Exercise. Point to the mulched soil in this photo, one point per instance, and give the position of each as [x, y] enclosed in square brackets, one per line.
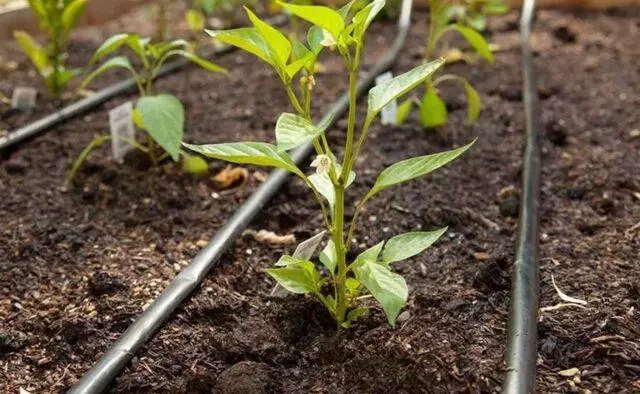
[79, 265]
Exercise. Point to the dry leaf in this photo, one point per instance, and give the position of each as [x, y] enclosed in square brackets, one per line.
[269, 237]
[565, 297]
[231, 177]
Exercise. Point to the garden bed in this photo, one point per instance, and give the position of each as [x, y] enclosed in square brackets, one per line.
[79, 265]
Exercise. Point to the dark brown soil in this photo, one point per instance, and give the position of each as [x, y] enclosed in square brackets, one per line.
[78, 266]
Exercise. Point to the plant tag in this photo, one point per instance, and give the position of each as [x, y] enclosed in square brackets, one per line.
[306, 249]
[389, 112]
[121, 124]
[24, 99]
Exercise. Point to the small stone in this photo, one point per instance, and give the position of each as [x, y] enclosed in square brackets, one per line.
[635, 133]
[569, 372]
[510, 207]
[481, 256]
[202, 243]
[403, 317]
[557, 133]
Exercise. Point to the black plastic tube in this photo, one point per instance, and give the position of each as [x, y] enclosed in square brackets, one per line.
[522, 334]
[84, 105]
[117, 357]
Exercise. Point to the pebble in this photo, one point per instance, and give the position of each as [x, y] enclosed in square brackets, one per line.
[481, 256]
[569, 372]
[635, 133]
[403, 317]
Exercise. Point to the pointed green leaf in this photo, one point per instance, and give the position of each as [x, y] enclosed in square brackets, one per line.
[205, 64]
[404, 110]
[328, 257]
[293, 130]
[114, 62]
[307, 248]
[384, 93]
[314, 38]
[473, 102]
[354, 315]
[363, 18]
[72, 12]
[279, 45]
[409, 169]
[318, 15]
[298, 276]
[433, 111]
[256, 153]
[162, 116]
[370, 254]
[110, 45]
[389, 288]
[245, 38]
[407, 245]
[477, 42]
[33, 50]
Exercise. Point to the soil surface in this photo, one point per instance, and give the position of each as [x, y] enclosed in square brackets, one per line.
[79, 265]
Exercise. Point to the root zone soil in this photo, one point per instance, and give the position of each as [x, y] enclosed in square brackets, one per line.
[78, 266]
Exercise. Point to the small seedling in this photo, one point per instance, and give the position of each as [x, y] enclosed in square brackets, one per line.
[57, 18]
[468, 19]
[161, 116]
[340, 285]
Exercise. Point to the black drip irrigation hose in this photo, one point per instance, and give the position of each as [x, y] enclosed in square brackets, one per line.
[117, 357]
[522, 336]
[88, 103]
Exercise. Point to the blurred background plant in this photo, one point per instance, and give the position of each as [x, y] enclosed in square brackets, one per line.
[57, 19]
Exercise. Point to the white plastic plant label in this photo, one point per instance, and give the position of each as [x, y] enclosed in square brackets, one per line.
[389, 112]
[121, 124]
[24, 99]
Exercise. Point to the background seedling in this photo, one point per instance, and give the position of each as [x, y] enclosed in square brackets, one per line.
[57, 19]
[468, 19]
[161, 116]
[340, 285]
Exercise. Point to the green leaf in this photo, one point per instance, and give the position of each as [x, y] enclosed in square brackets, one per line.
[384, 93]
[72, 13]
[114, 62]
[256, 153]
[139, 45]
[195, 20]
[279, 45]
[245, 38]
[354, 315]
[363, 18]
[477, 42]
[194, 165]
[207, 65]
[324, 186]
[473, 102]
[293, 130]
[433, 111]
[404, 110]
[389, 288]
[109, 46]
[409, 169]
[297, 276]
[318, 15]
[328, 257]
[345, 9]
[162, 116]
[407, 245]
[370, 254]
[315, 36]
[41, 13]
[34, 51]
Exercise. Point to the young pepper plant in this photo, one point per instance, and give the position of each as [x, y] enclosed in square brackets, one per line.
[468, 19]
[161, 116]
[57, 18]
[340, 285]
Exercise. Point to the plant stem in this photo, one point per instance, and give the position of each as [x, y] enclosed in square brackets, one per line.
[338, 241]
[353, 79]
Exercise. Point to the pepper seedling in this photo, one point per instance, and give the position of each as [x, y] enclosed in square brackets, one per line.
[161, 116]
[340, 285]
[468, 19]
[57, 18]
